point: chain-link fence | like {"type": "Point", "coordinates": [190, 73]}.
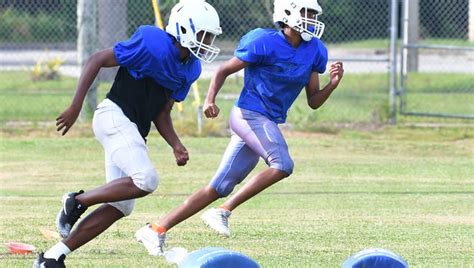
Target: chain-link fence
{"type": "Point", "coordinates": [438, 59]}
{"type": "Point", "coordinates": [39, 55]}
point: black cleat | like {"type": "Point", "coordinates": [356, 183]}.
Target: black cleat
{"type": "Point", "coordinates": [42, 262]}
{"type": "Point", "coordinates": [70, 212]}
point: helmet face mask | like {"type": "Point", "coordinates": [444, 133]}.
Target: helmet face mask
{"type": "Point", "coordinates": [301, 15]}
{"type": "Point", "coordinates": [310, 24]}
{"type": "Point", "coordinates": [203, 48]}
{"type": "Point", "coordinates": [195, 24]}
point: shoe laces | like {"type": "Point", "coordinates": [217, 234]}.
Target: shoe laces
{"type": "Point", "coordinates": [224, 218]}
{"type": "Point", "coordinates": [162, 242]}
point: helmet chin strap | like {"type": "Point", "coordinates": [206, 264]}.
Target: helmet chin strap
{"type": "Point", "coordinates": [306, 36]}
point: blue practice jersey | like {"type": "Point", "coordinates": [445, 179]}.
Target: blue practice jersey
{"type": "Point", "coordinates": [151, 52]}
{"type": "Point", "coordinates": [277, 71]}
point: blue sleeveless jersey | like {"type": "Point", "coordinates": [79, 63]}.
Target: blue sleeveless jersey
{"type": "Point", "coordinates": [277, 71]}
{"type": "Point", "coordinates": [151, 52]}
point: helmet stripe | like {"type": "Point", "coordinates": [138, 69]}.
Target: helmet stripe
{"type": "Point", "coordinates": [192, 25]}
{"type": "Point", "coordinates": [178, 37]}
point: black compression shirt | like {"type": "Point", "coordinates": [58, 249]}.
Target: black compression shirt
{"type": "Point", "coordinates": [140, 100]}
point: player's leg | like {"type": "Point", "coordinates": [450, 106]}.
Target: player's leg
{"type": "Point", "coordinates": [133, 161]}
{"type": "Point", "coordinates": [193, 204]}
{"type": "Point", "coordinates": [103, 217]}
{"type": "Point", "coordinates": [237, 162]}
{"type": "Point", "coordinates": [138, 179]}
{"type": "Point", "coordinates": [266, 139]}
{"type": "Point", "coordinates": [153, 236]}
{"type": "Point", "coordinates": [124, 149]}
{"type": "Point", "coordinates": [90, 227]}
{"type": "Point", "coordinates": [75, 204]}
{"type": "Point", "coordinates": [128, 169]}
{"type": "Point", "coordinates": [255, 185]}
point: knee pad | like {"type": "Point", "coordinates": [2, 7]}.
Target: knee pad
{"type": "Point", "coordinates": [224, 189]}
{"type": "Point", "coordinates": [285, 165]}
{"type": "Point", "coordinates": [126, 206]}
{"type": "Point", "coordinates": [146, 180]}
{"type": "Point", "coordinates": [224, 183]}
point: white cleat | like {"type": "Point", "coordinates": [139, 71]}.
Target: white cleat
{"type": "Point", "coordinates": [218, 220]}
{"type": "Point", "coordinates": [151, 240]}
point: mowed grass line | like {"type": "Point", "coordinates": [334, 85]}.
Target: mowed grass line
{"type": "Point", "coordinates": [407, 190]}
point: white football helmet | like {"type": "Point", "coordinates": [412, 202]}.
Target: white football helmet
{"type": "Point", "coordinates": [296, 14]}
{"type": "Point", "coordinates": [190, 17]}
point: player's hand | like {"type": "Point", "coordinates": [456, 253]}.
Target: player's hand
{"type": "Point", "coordinates": [181, 154]}
{"type": "Point", "coordinates": [336, 72]}
{"type": "Point", "coordinates": [65, 121]}
{"type": "Point", "coordinates": [210, 110]}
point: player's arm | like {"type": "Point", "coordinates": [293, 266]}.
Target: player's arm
{"type": "Point", "coordinates": [317, 97]}
{"type": "Point", "coordinates": [231, 66]}
{"type": "Point", "coordinates": [104, 58]}
{"type": "Point", "coordinates": [164, 125]}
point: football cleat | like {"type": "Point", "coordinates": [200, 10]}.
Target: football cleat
{"type": "Point", "coordinates": [151, 240]}
{"type": "Point", "coordinates": [42, 262]}
{"type": "Point", "coordinates": [70, 212]}
{"type": "Point", "coordinates": [218, 220]}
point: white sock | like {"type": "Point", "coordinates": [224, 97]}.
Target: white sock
{"type": "Point", "coordinates": [56, 251]}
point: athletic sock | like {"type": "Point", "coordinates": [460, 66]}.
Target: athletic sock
{"type": "Point", "coordinates": [224, 207]}
{"type": "Point", "coordinates": [57, 251]}
{"type": "Point", "coordinates": [158, 228]}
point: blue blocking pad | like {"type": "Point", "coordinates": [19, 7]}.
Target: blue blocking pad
{"type": "Point", "coordinates": [213, 257]}
{"type": "Point", "coordinates": [375, 258]}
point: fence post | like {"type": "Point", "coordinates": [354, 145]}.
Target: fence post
{"type": "Point", "coordinates": [393, 62]}
{"type": "Point", "coordinates": [411, 14]}
{"type": "Point", "coordinates": [86, 46]}
{"type": "Point", "coordinates": [112, 20]}
{"type": "Point", "coordinates": [471, 20]}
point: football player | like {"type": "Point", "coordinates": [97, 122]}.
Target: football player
{"type": "Point", "coordinates": [157, 68]}
{"type": "Point", "coordinates": [278, 64]}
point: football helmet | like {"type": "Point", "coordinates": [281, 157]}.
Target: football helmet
{"type": "Point", "coordinates": [195, 25]}
{"type": "Point", "coordinates": [301, 15]}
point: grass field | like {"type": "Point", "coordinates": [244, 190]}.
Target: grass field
{"type": "Point", "coordinates": [361, 99]}
{"type": "Point", "coordinates": [410, 190]}
{"type": "Point", "coordinates": [404, 188]}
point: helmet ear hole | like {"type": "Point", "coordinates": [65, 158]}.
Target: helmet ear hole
{"type": "Point", "coordinates": [183, 30]}
{"type": "Point", "coordinates": [287, 12]}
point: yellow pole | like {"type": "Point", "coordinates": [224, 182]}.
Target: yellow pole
{"type": "Point", "coordinates": [159, 23]}
{"type": "Point", "coordinates": [156, 10]}
{"type": "Point", "coordinates": [197, 103]}
{"type": "Point", "coordinates": [197, 98]}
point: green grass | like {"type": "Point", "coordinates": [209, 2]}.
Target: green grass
{"type": "Point", "coordinates": [409, 190]}
{"type": "Point", "coordinates": [439, 94]}
{"type": "Point", "coordinates": [25, 100]}
{"type": "Point", "coordinates": [361, 99]}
